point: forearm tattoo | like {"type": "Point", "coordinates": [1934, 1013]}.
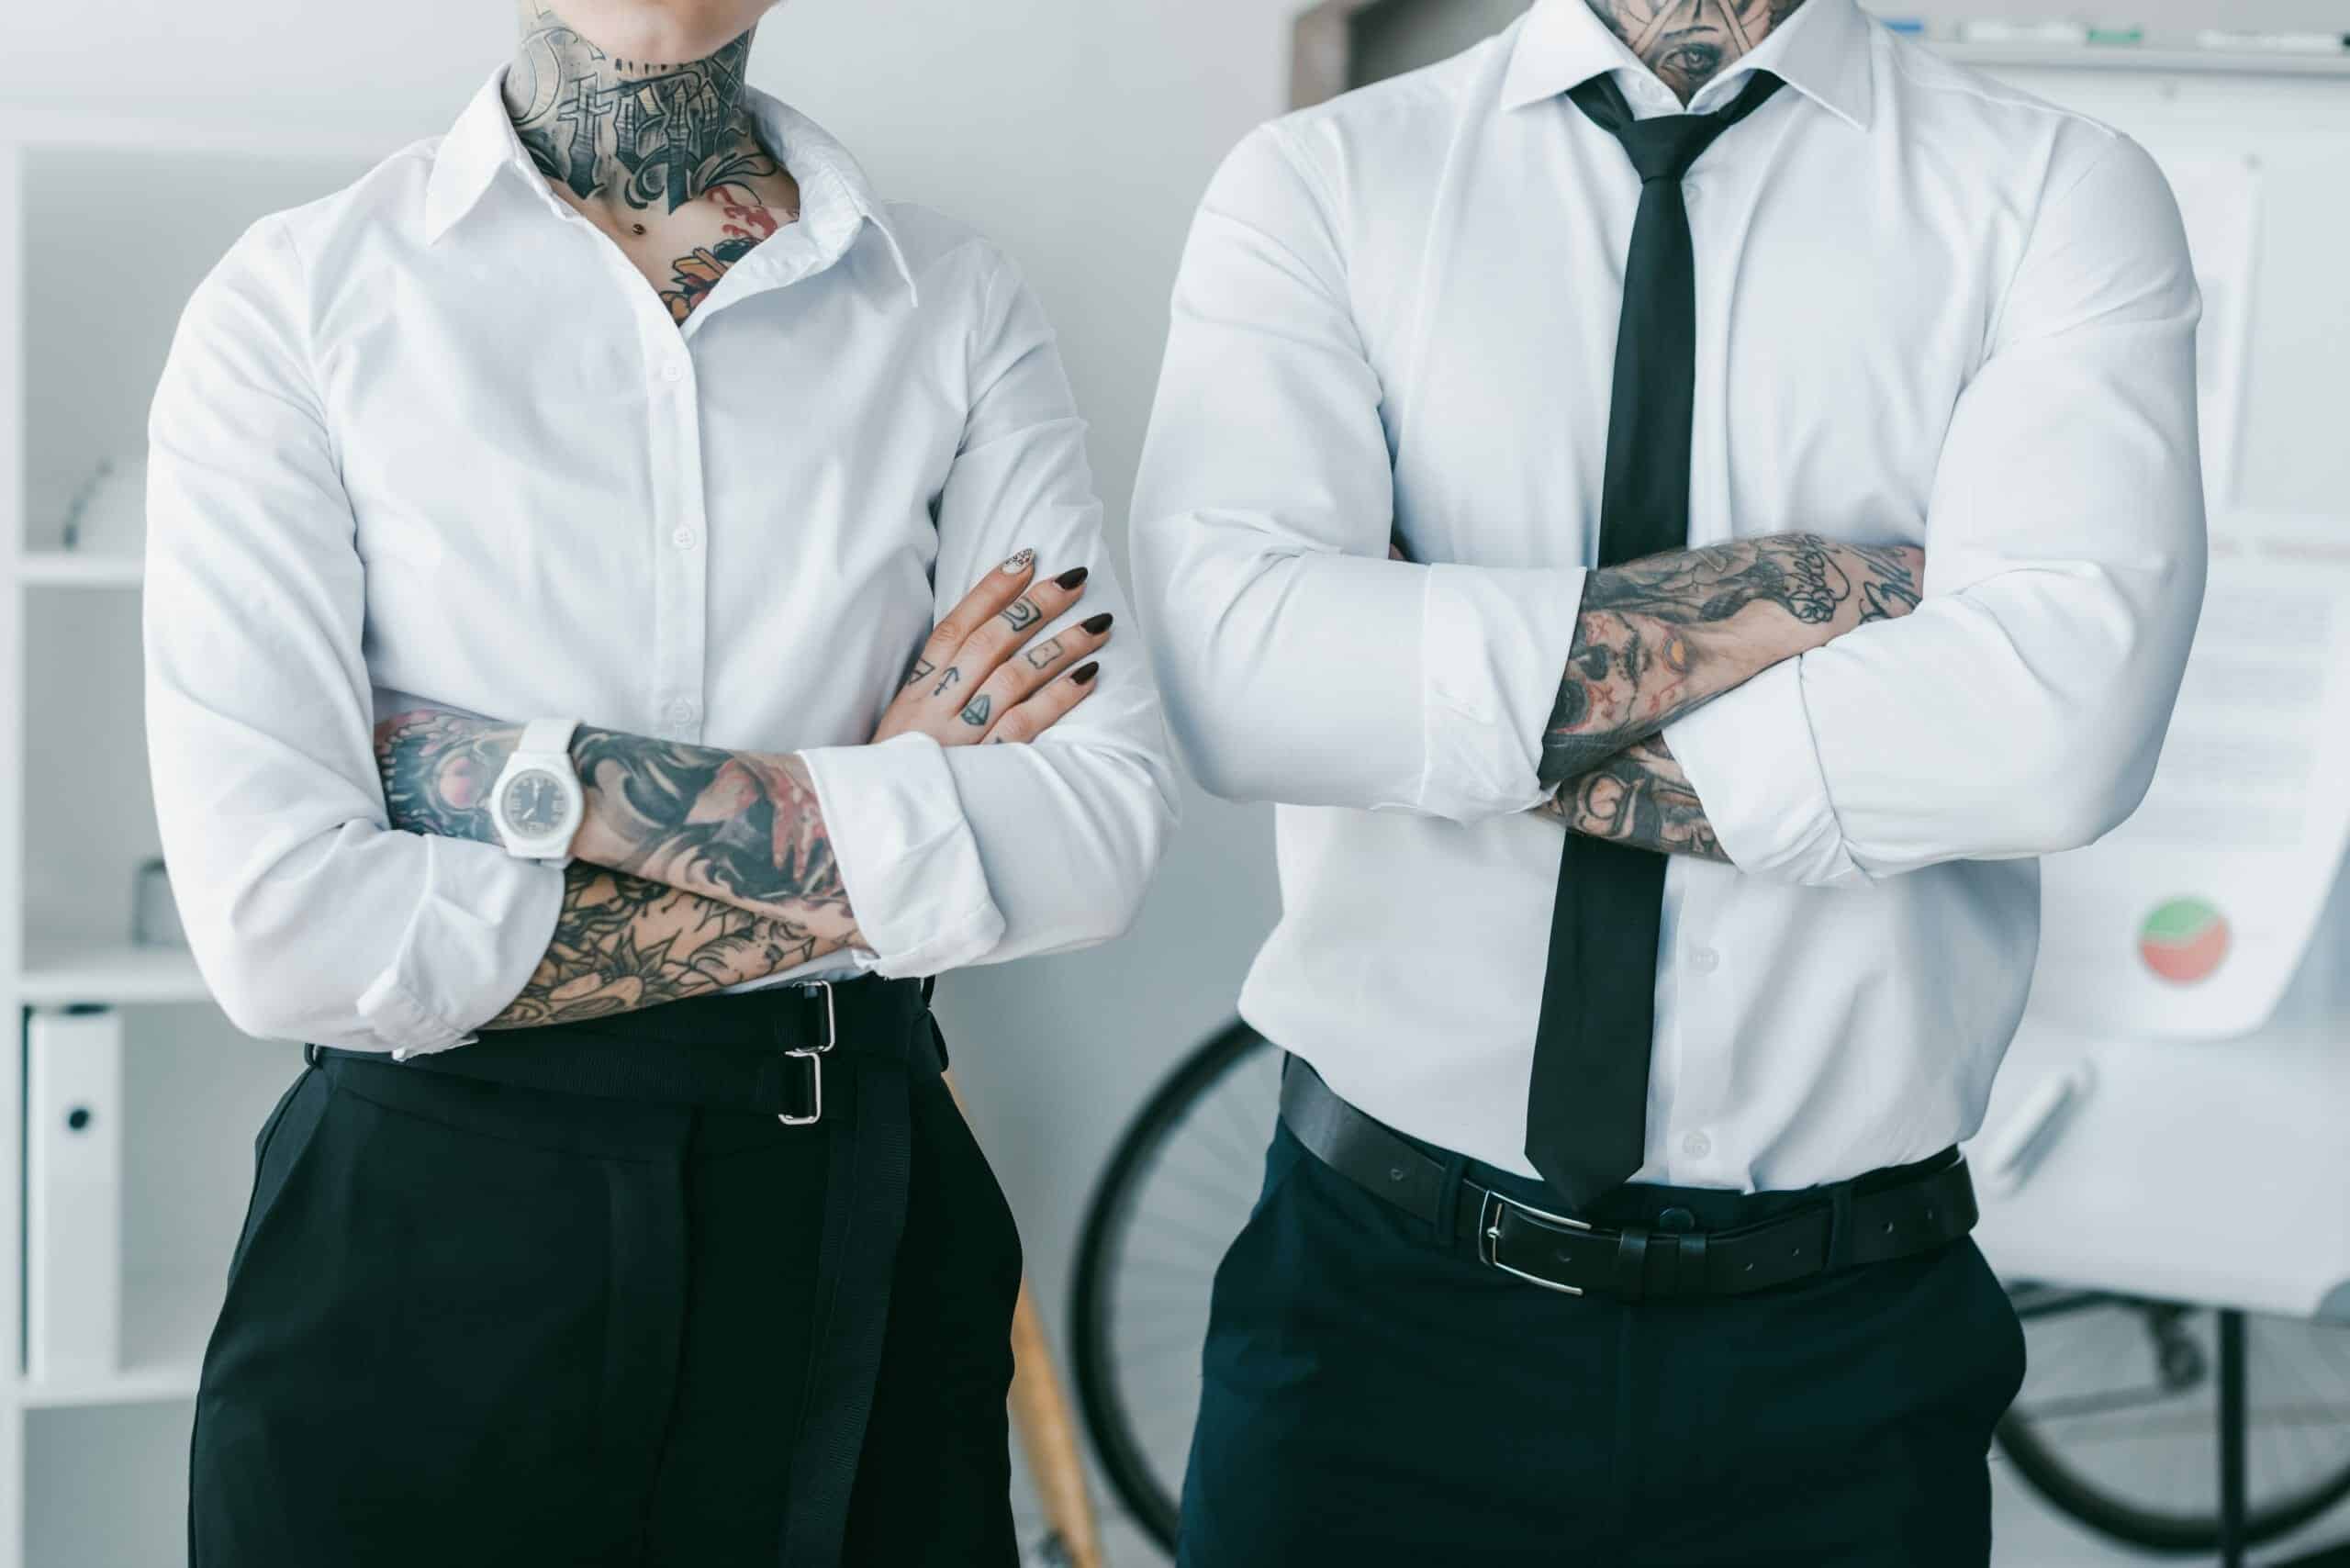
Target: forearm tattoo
{"type": "Point", "coordinates": [655, 134]}
{"type": "Point", "coordinates": [1689, 42]}
{"type": "Point", "coordinates": [741, 826]}
{"type": "Point", "coordinates": [439, 769]}
{"type": "Point", "coordinates": [623, 943]}
{"type": "Point", "coordinates": [1638, 796]}
{"type": "Point", "coordinates": [1652, 641]}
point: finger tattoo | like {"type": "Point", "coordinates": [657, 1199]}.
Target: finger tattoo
{"type": "Point", "coordinates": [949, 678]}
{"type": "Point", "coordinates": [1043, 655]}
{"type": "Point", "coordinates": [976, 712]}
{"type": "Point", "coordinates": [922, 668]}
{"type": "Point", "coordinates": [1020, 614]}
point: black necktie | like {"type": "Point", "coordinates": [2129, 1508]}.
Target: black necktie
{"type": "Point", "coordinates": [1587, 1120]}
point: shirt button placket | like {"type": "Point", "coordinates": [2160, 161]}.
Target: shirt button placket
{"type": "Point", "coordinates": [680, 626]}
{"type": "Point", "coordinates": [1701, 1013]}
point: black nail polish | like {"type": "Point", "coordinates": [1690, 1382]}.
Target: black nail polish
{"type": "Point", "coordinates": [1096, 624]}
{"type": "Point", "coordinates": [1071, 579]}
{"type": "Point", "coordinates": [1086, 671]}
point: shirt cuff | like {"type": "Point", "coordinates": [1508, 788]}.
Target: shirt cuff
{"type": "Point", "coordinates": [907, 856]}
{"type": "Point", "coordinates": [1493, 643]}
{"type": "Point", "coordinates": [1750, 757]}
{"type": "Point", "coordinates": [473, 942]}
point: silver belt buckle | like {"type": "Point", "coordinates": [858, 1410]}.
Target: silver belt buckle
{"type": "Point", "coordinates": [814, 1057]}
{"type": "Point", "coordinates": [1489, 1237]}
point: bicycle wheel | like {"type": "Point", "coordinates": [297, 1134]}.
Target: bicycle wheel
{"type": "Point", "coordinates": [2117, 1422]}
{"type": "Point", "coordinates": [1178, 1189]}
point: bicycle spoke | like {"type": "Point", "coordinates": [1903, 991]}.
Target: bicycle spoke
{"type": "Point", "coordinates": [2080, 1405]}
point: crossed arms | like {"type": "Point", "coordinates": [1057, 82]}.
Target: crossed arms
{"type": "Point", "coordinates": [315, 916]}
{"type": "Point", "coordinates": [1844, 712]}
{"type": "Point", "coordinates": [1659, 637]}
{"type": "Point", "coordinates": [695, 868]}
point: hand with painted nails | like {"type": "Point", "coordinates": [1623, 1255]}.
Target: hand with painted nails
{"type": "Point", "coordinates": [978, 680]}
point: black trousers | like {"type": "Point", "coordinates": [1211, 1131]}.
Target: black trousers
{"type": "Point", "coordinates": [1373, 1396]}
{"type": "Point", "coordinates": [469, 1323]}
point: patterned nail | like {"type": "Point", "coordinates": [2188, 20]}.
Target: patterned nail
{"type": "Point", "coordinates": [1097, 624]}
{"type": "Point", "coordinates": [1071, 579]}
{"type": "Point", "coordinates": [1021, 561]}
{"type": "Point", "coordinates": [1086, 671]}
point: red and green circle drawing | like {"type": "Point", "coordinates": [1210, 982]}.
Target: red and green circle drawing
{"type": "Point", "coordinates": [2183, 940]}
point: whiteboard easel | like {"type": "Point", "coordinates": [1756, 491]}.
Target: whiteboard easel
{"type": "Point", "coordinates": [2216, 1113]}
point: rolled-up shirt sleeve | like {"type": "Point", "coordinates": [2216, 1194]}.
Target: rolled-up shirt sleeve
{"type": "Point", "coordinates": [2019, 711]}
{"type": "Point", "coordinates": [1301, 664]}
{"type": "Point", "coordinates": [308, 915]}
{"type": "Point", "coordinates": [973, 855]}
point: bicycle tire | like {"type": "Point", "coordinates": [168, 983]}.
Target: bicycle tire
{"type": "Point", "coordinates": [2042, 1467]}
{"type": "Point", "coordinates": [1148, 1499]}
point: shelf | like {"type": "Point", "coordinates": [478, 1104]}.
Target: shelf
{"type": "Point", "coordinates": [68, 568]}
{"type": "Point", "coordinates": [161, 1385]}
{"type": "Point", "coordinates": [2145, 57]}
{"type": "Point", "coordinates": [54, 127]}
{"type": "Point", "coordinates": [58, 972]}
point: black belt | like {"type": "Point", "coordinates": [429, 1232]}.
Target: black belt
{"type": "Point", "coordinates": [766, 1050]}
{"type": "Point", "coordinates": [1869, 1219]}
{"type": "Point", "coordinates": [761, 1050]}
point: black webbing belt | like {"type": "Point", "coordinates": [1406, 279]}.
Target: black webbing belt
{"type": "Point", "coordinates": [1884, 1215]}
{"type": "Point", "coordinates": [833, 1058]}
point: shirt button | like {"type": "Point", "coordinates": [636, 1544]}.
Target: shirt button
{"type": "Point", "coordinates": [1697, 1146]}
{"type": "Point", "coordinates": [683, 709]}
{"type": "Point", "coordinates": [1705, 960]}
{"type": "Point", "coordinates": [685, 539]}
{"type": "Point", "coordinates": [673, 371]}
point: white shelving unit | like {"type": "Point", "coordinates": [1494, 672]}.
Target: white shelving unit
{"type": "Point", "coordinates": [93, 1470]}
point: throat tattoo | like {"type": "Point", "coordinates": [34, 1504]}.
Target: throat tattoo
{"type": "Point", "coordinates": [1689, 42]}
{"type": "Point", "coordinates": [652, 136]}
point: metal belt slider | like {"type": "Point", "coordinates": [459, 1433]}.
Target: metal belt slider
{"type": "Point", "coordinates": [1489, 1237]}
{"type": "Point", "coordinates": [814, 1057]}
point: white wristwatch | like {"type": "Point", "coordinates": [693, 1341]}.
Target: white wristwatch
{"type": "Point", "coordinates": [538, 803]}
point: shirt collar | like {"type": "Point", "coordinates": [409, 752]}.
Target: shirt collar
{"type": "Point", "coordinates": [1823, 51]}
{"type": "Point", "coordinates": [836, 200]}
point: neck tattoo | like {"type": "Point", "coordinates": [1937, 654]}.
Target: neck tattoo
{"type": "Point", "coordinates": [641, 134]}
{"type": "Point", "coordinates": [1689, 42]}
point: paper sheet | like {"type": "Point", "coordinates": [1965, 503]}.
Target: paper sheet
{"type": "Point", "coordinates": [2190, 920]}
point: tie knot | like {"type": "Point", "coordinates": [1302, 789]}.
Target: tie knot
{"type": "Point", "coordinates": [1665, 147]}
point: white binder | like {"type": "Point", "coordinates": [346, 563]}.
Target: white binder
{"type": "Point", "coordinates": [74, 1111]}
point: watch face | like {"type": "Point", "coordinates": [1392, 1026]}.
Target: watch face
{"type": "Point", "coordinates": [533, 804]}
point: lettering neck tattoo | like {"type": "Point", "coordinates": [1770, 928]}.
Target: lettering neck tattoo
{"type": "Point", "coordinates": [1689, 42]}
{"type": "Point", "coordinates": [644, 135]}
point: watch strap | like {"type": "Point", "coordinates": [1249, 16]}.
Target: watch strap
{"type": "Point", "coordinates": [543, 735]}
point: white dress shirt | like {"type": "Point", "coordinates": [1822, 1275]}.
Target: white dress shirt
{"type": "Point", "coordinates": [433, 438]}
{"type": "Point", "coordinates": [1931, 310]}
